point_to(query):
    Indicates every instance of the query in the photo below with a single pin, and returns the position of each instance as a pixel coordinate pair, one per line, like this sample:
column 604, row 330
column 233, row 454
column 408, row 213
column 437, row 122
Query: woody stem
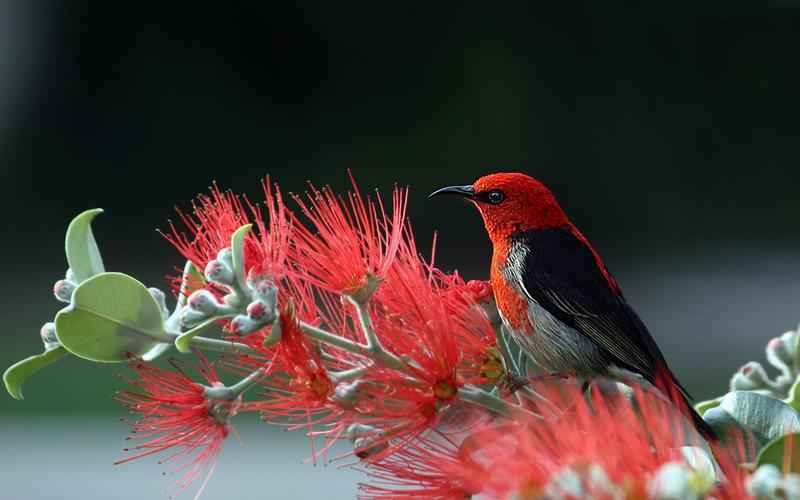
column 376, row 352
column 477, row 396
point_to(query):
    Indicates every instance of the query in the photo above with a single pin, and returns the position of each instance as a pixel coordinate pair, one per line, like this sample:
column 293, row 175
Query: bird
column 555, row 295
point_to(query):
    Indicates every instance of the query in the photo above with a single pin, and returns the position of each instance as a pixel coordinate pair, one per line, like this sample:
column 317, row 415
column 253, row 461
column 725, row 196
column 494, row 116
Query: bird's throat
column 512, row 306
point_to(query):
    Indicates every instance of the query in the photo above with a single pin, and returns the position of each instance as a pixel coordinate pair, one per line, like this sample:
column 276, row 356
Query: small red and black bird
column 555, row 295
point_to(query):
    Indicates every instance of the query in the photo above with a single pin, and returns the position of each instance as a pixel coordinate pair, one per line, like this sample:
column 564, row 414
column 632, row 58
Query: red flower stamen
column 352, row 240
column 174, row 414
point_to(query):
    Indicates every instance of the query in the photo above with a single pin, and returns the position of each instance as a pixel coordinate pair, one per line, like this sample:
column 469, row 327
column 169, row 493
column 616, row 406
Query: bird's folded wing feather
column 561, row 273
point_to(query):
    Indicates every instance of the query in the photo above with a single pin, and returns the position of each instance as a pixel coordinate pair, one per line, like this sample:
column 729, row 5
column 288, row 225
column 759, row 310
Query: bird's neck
column 500, row 229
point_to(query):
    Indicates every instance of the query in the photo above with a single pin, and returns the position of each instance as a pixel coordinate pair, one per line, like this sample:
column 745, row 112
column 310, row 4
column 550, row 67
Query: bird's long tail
column 668, row 383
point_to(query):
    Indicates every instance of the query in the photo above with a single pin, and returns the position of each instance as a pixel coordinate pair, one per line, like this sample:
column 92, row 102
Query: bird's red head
column 511, row 202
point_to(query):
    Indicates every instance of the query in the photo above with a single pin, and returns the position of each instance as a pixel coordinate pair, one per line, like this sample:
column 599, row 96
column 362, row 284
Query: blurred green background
column 672, row 141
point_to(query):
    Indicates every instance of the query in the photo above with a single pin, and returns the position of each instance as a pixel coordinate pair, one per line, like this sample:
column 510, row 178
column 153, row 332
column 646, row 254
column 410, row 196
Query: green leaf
column 16, row 374
column 793, row 399
column 768, row 418
column 724, row 425
column 237, row 254
column 156, row 351
column 784, row 450
column 191, row 276
column 83, row 256
column 184, row 341
column 112, row 317
column 704, row 406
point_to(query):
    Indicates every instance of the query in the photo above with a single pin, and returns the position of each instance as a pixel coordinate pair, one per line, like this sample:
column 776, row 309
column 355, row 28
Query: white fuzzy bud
column 779, row 355
column 62, row 289
column 191, row 318
column 565, row 484
column 750, row 377
column 264, row 289
column 346, row 394
column 203, row 302
column 243, row 325
column 48, row 334
column 219, row 272
column 768, row 483
column 704, row 473
column 226, row 257
column 261, row 312
column 161, row 300
column 672, row 481
column 366, row 440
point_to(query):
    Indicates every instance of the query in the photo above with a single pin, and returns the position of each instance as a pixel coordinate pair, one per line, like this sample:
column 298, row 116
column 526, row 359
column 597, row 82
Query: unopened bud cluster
column 769, row 483
column 250, row 309
column 781, row 353
column 62, row 290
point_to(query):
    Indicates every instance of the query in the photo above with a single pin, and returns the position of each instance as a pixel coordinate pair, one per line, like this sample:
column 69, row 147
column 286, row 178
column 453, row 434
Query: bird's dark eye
column 495, row 196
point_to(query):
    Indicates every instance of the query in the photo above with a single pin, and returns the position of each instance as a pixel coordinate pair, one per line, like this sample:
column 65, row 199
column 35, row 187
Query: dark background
column 671, row 140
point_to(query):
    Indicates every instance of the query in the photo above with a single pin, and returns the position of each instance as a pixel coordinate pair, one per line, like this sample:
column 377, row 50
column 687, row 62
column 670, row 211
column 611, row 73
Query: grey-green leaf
column 112, row 317
column 703, row 406
column 83, row 256
column 768, row 418
column 793, row 399
column 784, row 450
column 16, row 374
column 184, row 341
column 237, row 254
column 191, row 278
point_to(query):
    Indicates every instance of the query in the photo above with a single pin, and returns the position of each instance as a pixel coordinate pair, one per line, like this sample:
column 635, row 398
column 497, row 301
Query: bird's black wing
column 560, row 272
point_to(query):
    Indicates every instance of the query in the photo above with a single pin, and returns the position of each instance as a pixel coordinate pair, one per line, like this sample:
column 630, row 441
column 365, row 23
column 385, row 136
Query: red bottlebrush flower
column 268, row 249
column 433, row 319
column 214, row 219
column 175, row 415
column 300, row 385
column 412, row 320
column 429, row 467
column 628, row 441
column 352, row 240
column 216, row 216
column 465, row 302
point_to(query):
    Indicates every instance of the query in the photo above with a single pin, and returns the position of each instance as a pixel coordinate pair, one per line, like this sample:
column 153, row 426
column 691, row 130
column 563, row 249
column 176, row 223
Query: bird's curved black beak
column 465, row 191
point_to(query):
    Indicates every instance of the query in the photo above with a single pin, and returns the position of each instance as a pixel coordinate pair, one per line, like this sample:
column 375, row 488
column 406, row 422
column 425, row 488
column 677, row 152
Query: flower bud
column 243, row 325
column 768, row 483
column 264, row 289
column 346, row 394
column 48, row 334
column 191, row 318
column 565, row 483
column 672, row 481
column 226, row 257
column 203, row 302
column 367, row 440
column 780, row 356
column 63, row 289
column 260, row 312
column 703, row 473
column 750, row 377
column 218, row 272
column 161, row 299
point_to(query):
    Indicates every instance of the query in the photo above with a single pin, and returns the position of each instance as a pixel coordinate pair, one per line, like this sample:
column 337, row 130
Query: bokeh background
column 671, row 140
